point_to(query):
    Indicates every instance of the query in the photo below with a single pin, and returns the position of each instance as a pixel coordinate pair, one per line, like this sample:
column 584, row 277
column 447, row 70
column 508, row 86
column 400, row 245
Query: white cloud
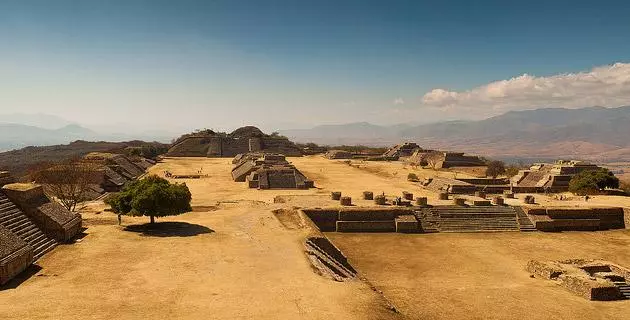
column 399, row 101
column 606, row 86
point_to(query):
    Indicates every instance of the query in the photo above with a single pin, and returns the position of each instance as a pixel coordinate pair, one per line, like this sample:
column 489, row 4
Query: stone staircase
column 339, row 270
column 474, row 219
column 12, row 218
column 624, row 288
column 429, row 222
column 524, row 223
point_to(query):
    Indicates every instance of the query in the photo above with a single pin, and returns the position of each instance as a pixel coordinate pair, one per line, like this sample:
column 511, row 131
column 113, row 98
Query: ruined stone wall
column 564, row 219
column 15, row 255
column 231, row 147
column 52, row 218
column 190, row 147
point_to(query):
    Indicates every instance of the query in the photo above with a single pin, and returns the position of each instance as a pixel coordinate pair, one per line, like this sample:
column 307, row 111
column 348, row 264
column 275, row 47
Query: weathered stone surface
column 590, row 279
column 366, row 226
column 242, row 140
column 406, row 224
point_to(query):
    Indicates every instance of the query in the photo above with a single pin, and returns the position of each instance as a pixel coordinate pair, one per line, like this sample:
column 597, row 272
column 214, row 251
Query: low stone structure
column 380, row 200
column 114, row 171
column 543, row 177
column 445, row 159
column 448, row 185
column 338, row 154
column 417, row 219
column 345, row 201
column 578, row 219
column 406, row 224
column 422, row 201
column 268, row 171
column 247, row 139
column 592, row 279
column 403, row 150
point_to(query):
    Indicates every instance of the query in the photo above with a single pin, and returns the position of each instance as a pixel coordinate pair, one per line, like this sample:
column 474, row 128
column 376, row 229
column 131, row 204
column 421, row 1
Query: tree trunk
column 152, row 219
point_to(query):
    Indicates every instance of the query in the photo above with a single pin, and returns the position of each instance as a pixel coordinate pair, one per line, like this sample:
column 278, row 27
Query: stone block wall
column 15, row 255
column 51, row 217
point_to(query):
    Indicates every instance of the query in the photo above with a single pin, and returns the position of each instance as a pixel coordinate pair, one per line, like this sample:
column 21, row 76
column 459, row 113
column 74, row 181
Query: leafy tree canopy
column 152, row 196
column 495, row 168
column 593, row 181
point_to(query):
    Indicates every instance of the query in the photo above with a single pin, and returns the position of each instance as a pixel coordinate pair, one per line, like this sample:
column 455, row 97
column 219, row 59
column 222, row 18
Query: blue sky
column 288, row 64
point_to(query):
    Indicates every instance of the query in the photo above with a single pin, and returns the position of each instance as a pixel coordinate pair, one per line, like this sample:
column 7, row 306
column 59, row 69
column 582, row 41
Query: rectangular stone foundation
column 366, row 226
column 406, row 224
column 568, row 224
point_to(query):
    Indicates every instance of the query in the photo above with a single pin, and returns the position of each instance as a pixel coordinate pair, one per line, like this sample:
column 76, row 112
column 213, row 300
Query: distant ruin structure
column 550, row 177
column 406, row 149
column 268, row 171
column 338, row 154
column 444, row 159
column 243, row 140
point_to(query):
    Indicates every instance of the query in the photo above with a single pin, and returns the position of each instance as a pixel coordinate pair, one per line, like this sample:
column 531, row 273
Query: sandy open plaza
column 233, row 258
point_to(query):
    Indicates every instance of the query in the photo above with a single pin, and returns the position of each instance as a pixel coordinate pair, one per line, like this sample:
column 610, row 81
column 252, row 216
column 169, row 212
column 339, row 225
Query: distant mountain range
column 595, row 133
column 23, row 130
column 14, row 136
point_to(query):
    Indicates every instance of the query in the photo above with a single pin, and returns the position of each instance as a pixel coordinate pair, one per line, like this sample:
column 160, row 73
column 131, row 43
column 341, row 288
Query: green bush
column 593, row 181
column 495, row 169
column 153, row 197
column 412, row 177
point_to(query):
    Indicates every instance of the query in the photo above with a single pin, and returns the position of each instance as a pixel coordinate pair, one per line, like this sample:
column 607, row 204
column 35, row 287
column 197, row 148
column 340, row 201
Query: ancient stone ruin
column 338, row 154
column 406, row 149
column 30, row 226
column 444, row 159
column 243, row 140
column 422, row 219
column 592, row 279
column 268, row 171
column 578, row 219
column 112, row 171
column 550, row 177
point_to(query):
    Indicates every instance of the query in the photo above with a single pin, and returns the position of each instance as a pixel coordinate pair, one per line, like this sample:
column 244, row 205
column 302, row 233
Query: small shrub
column 412, row 177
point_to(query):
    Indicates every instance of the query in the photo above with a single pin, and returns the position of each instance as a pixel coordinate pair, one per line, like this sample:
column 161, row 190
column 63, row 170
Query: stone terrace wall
column 564, row 219
column 15, row 255
column 51, row 217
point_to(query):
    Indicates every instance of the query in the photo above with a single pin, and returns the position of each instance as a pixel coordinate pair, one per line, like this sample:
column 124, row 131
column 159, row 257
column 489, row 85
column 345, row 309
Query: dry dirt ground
column 232, row 258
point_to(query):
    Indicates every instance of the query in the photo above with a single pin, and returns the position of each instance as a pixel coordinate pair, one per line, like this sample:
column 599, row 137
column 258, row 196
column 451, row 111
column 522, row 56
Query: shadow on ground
column 20, row 278
column 168, row 229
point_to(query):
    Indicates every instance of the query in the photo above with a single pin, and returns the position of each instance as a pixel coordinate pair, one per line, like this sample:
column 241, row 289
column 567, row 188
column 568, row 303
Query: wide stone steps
column 524, row 223
column 467, row 225
column 624, row 288
column 331, row 263
column 12, row 218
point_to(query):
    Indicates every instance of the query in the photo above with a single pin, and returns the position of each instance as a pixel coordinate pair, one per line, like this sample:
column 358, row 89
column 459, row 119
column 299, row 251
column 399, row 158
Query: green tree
column 152, row 196
column 495, row 168
column 593, row 181
column 511, row 171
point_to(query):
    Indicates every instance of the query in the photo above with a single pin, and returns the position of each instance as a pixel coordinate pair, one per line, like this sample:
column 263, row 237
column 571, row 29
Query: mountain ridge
column 595, row 131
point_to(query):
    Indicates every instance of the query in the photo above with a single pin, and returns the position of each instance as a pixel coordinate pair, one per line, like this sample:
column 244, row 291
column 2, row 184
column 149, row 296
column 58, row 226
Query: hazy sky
column 289, row 64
